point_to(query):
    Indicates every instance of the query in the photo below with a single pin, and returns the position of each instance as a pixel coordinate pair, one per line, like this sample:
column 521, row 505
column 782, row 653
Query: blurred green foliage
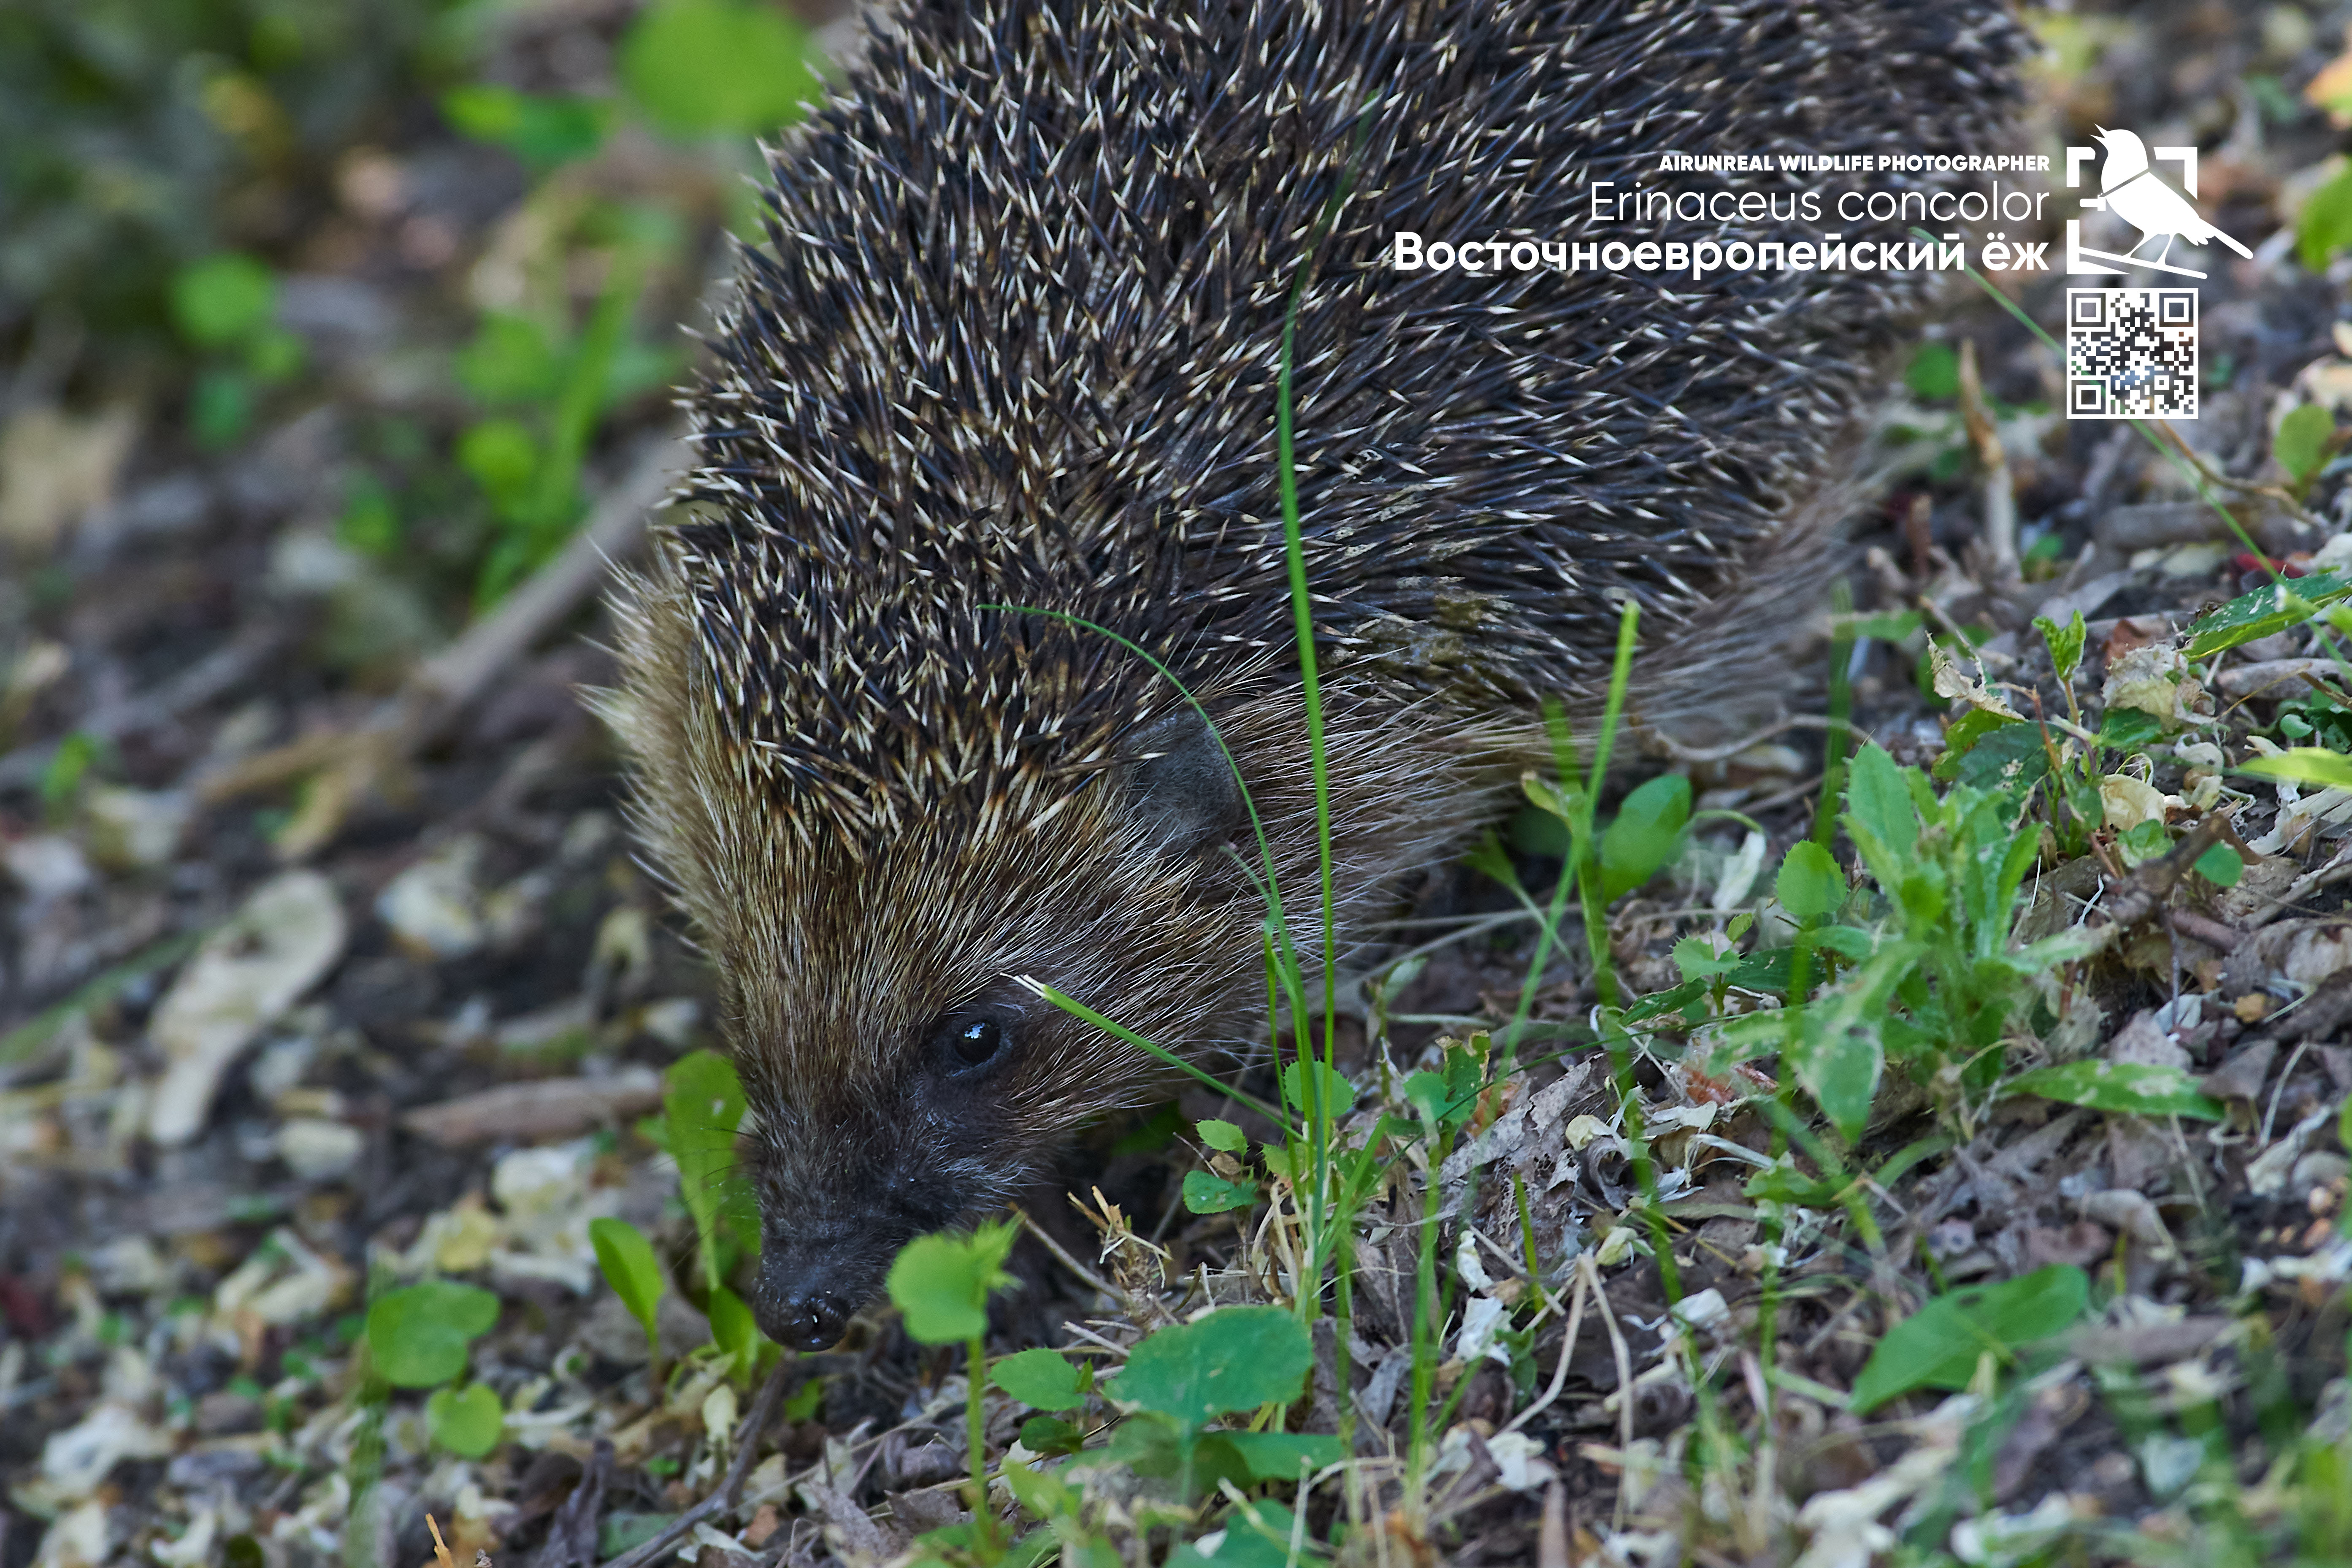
column 700, row 67
column 225, row 306
column 159, row 159
column 138, row 136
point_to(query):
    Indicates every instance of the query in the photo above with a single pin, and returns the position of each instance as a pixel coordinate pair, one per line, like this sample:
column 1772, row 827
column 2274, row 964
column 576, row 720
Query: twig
column 439, row 690
column 1591, row 1275
column 1063, row 1254
column 746, row 1436
column 1558, row 1373
column 2339, row 869
column 451, row 679
column 2207, row 929
column 2144, row 891
column 2269, row 492
column 2000, row 494
column 210, row 675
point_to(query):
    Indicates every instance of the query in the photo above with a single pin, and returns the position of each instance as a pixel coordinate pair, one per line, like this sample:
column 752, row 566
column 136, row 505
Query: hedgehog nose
column 803, row 1320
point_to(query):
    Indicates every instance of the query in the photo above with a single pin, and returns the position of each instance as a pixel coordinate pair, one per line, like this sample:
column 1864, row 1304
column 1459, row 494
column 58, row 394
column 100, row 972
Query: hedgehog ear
column 1178, row 785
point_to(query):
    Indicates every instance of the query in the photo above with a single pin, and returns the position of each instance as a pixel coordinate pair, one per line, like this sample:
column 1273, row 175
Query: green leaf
column 1208, row 1193
column 2009, row 763
column 220, row 407
column 1784, row 1184
column 1277, row 1456
column 630, row 1267
column 1877, row 798
column 2140, row 1089
column 2144, row 841
column 1647, row 833
column 1235, row 1358
column 466, row 1421
column 1339, row 1095
column 223, row 297
column 1044, row 1494
column 511, row 359
column 1047, row 1379
column 503, row 457
column 2303, row 765
column 417, row 1335
column 1699, row 959
column 1809, row 883
column 1259, row 1541
column 1426, row 1093
column 1881, row 627
column 2065, row 643
column 543, row 131
column 2324, row 227
column 2273, row 608
column 2130, row 728
column 705, row 66
column 702, row 1104
column 1048, row 1435
column 1223, row 1136
column 1841, row 1070
column 1963, row 735
column 272, row 354
column 1938, row 1345
column 941, row 1283
column 1934, row 375
column 1563, row 801
column 732, row 1328
column 2303, row 439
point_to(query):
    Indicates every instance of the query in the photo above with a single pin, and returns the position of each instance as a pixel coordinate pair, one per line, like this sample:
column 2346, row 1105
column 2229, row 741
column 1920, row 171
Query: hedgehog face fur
column 870, row 937
column 1012, row 340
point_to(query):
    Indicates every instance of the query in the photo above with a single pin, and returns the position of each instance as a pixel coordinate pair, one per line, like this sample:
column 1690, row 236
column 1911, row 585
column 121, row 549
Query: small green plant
column 417, row 1337
column 2303, row 442
column 626, row 1260
column 226, row 307
column 1941, row 1344
column 1920, row 972
column 941, row 1285
column 702, row 1106
column 700, row 67
column 549, row 388
column 2324, row 227
column 543, row 131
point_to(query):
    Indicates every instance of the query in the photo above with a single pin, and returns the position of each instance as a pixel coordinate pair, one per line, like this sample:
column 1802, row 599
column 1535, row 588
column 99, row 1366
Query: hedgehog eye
column 970, row 1041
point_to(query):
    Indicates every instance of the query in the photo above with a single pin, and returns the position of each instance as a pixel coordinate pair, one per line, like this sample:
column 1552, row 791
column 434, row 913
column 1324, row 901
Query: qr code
column 2131, row 353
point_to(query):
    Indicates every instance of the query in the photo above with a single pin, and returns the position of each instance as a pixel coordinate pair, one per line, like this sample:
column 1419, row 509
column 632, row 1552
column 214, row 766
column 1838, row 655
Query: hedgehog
column 985, row 467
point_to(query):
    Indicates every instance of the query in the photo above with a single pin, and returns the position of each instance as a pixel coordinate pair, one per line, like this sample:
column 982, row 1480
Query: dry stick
column 208, row 678
column 1567, row 1345
column 2142, row 892
column 2277, row 494
column 1551, row 1535
column 1624, row 1379
column 442, row 687
column 2339, row 869
column 1072, row 1264
column 746, row 1436
column 1999, row 496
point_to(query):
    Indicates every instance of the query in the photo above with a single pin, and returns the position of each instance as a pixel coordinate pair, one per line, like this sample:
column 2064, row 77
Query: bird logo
column 2130, row 188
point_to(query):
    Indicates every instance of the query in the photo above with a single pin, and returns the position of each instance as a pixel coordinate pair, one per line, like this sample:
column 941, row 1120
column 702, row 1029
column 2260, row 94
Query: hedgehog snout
column 810, row 1286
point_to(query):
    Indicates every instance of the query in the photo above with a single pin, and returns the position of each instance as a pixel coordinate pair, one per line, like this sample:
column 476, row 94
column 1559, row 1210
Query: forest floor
column 327, row 969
